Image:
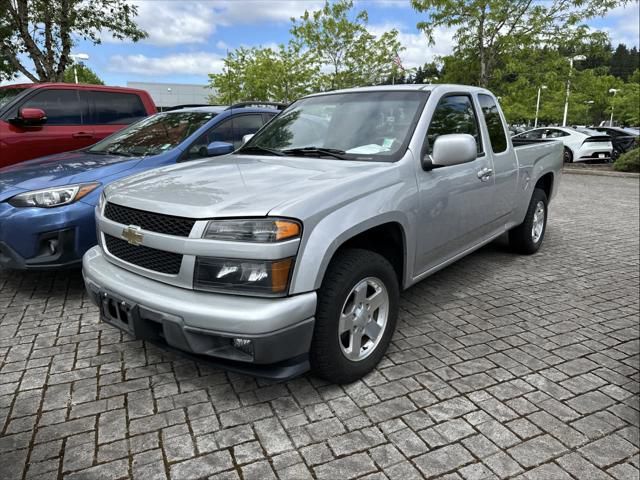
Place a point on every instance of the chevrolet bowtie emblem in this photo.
(133, 234)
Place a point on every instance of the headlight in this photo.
(53, 197)
(258, 230)
(253, 277)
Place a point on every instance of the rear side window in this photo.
(62, 107)
(114, 108)
(454, 114)
(555, 134)
(492, 119)
(245, 125)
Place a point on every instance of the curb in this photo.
(588, 171)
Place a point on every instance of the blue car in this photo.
(47, 205)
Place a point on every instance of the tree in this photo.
(85, 75)
(492, 29)
(627, 102)
(340, 43)
(624, 61)
(264, 74)
(46, 30)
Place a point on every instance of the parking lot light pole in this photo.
(614, 91)
(75, 58)
(566, 101)
(540, 88)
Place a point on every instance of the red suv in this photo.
(46, 118)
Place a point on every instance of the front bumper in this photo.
(27, 233)
(206, 324)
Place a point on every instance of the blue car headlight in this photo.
(53, 197)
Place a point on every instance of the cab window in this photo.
(492, 120)
(62, 107)
(454, 114)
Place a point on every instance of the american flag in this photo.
(398, 62)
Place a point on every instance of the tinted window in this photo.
(532, 135)
(493, 121)
(8, 94)
(116, 108)
(245, 125)
(153, 135)
(454, 114)
(552, 133)
(62, 107)
(222, 132)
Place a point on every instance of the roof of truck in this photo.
(407, 87)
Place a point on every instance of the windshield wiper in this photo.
(317, 151)
(258, 149)
(109, 152)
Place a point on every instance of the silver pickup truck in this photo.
(290, 253)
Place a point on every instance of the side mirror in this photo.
(247, 137)
(452, 149)
(30, 117)
(219, 148)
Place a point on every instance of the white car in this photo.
(580, 145)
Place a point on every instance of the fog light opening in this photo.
(243, 344)
(52, 246)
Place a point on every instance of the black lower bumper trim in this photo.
(279, 355)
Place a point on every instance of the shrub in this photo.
(628, 162)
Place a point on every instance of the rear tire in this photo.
(359, 296)
(527, 237)
(567, 156)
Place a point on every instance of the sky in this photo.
(189, 38)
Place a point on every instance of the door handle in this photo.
(485, 174)
(82, 135)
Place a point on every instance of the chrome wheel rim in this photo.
(538, 222)
(363, 319)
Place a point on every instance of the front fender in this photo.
(396, 203)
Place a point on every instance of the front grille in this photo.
(145, 257)
(153, 222)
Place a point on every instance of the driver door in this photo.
(455, 202)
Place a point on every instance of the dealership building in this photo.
(171, 95)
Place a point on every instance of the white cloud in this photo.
(193, 21)
(171, 23)
(417, 49)
(197, 63)
(625, 25)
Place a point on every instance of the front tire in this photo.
(356, 316)
(527, 237)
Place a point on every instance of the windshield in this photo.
(153, 135)
(373, 126)
(8, 94)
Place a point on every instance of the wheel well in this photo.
(386, 240)
(546, 184)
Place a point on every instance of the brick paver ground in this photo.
(502, 367)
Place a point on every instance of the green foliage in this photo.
(85, 75)
(264, 74)
(624, 62)
(338, 40)
(46, 30)
(626, 103)
(628, 162)
(330, 49)
(489, 30)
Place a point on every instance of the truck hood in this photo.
(235, 185)
(62, 169)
